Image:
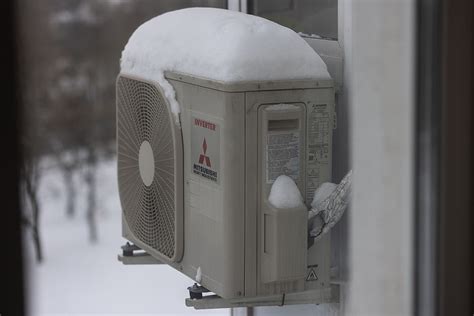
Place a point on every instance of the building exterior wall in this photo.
(382, 105)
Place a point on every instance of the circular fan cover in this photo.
(146, 165)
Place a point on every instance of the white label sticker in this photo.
(205, 150)
(319, 130)
(283, 155)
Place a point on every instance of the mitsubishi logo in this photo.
(203, 159)
(205, 135)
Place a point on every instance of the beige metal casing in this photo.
(223, 210)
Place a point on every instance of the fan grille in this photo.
(150, 211)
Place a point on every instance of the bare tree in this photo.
(35, 72)
(69, 162)
(91, 181)
(30, 175)
(68, 173)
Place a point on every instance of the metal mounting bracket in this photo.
(132, 254)
(327, 295)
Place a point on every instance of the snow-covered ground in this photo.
(80, 278)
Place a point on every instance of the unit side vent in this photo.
(149, 153)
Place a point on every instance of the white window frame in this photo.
(237, 5)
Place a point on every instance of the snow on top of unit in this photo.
(218, 44)
(222, 45)
(284, 193)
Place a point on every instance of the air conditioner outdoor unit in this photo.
(194, 184)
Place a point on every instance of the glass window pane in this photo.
(318, 17)
(69, 53)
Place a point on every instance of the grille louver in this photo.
(152, 212)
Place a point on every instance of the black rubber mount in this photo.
(128, 249)
(195, 291)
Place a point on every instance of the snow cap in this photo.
(218, 44)
(284, 193)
